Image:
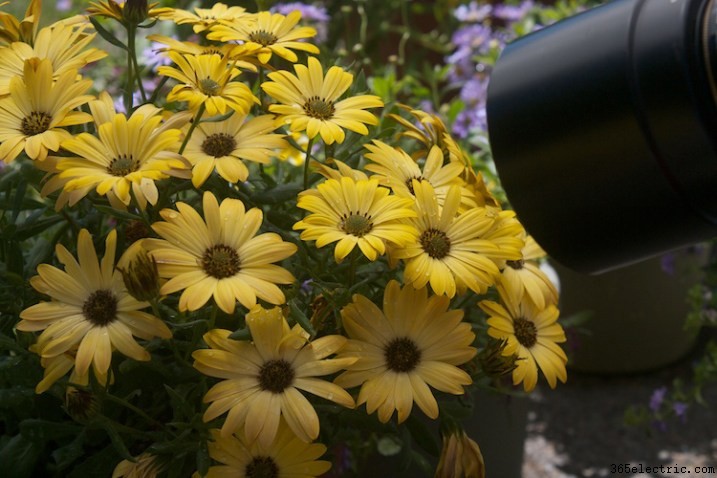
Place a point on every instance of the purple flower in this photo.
(658, 396)
(667, 263)
(472, 12)
(152, 57)
(680, 409)
(306, 286)
(63, 5)
(512, 13)
(318, 16)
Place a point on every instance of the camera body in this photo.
(603, 128)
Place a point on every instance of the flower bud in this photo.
(141, 276)
(460, 458)
(81, 405)
(135, 11)
(492, 361)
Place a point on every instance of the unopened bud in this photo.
(141, 276)
(460, 457)
(81, 405)
(135, 11)
(492, 361)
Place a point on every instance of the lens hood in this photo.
(603, 129)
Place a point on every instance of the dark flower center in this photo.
(319, 108)
(402, 355)
(37, 122)
(262, 467)
(356, 224)
(218, 145)
(276, 375)
(525, 332)
(123, 165)
(435, 243)
(209, 87)
(515, 264)
(263, 37)
(221, 261)
(100, 308)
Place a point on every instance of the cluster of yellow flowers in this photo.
(423, 211)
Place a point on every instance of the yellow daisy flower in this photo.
(239, 55)
(342, 169)
(266, 33)
(222, 145)
(413, 343)
(25, 30)
(129, 153)
(308, 101)
(220, 256)
(394, 168)
(90, 310)
(33, 116)
(287, 456)
(533, 335)
(57, 367)
(526, 280)
(206, 80)
(64, 45)
(430, 131)
(355, 212)
(262, 379)
(454, 251)
(201, 19)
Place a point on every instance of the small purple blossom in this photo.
(658, 396)
(667, 263)
(152, 57)
(63, 5)
(306, 286)
(680, 409)
(317, 16)
(472, 13)
(512, 13)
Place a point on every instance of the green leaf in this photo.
(101, 463)
(278, 194)
(19, 457)
(107, 35)
(110, 211)
(116, 439)
(32, 228)
(241, 334)
(301, 318)
(423, 435)
(65, 455)
(203, 460)
(45, 430)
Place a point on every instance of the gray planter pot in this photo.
(637, 313)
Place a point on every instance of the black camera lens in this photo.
(603, 128)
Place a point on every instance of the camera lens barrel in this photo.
(603, 128)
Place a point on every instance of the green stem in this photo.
(307, 161)
(129, 406)
(158, 88)
(195, 122)
(128, 100)
(352, 268)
